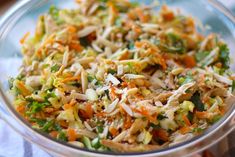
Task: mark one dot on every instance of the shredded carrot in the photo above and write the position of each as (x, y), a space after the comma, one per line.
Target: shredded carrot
(161, 134)
(72, 29)
(142, 16)
(100, 114)
(75, 46)
(112, 8)
(68, 79)
(202, 114)
(113, 131)
(87, 112)
(91, 37)
(23, 89)
(186, 120)
(141, 44)
(48, 41)
(145, 113)
(131, 84)
(20, 108)
(127, 123)
(22, 40)
(124, 84)
(222, 110)
(137, 29)
(131, 15)
(72, 135)
(53, 134)
(184, 130)
(113, 95)
(69, 105)
(167, 14)
(189, 61)
(63, 123)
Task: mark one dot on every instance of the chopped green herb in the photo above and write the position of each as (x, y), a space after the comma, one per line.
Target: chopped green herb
(224, 56)
(161, 117)
(174, 44)
(55, 68)
(10, 82)
(186, 79)
(35, 107)
(201, 55)
(40, 122)
(46, 127)
(197, 101)
(190, 116)
(112, 71)
(233, 85)
(197, 130)
(86, 141)
(215, 119)
(62, 136)
(54, 12)
(96, 143)
(99, 128)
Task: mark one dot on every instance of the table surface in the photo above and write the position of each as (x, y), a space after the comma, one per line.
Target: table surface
(22, 148)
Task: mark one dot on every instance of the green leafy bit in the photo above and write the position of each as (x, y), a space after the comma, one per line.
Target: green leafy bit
(35, 107)
(46, 127)
(215, 119)
(96, 143)
(62, 136)
(186, 79)
(197, 101)
(161, 117)
(201, 55)
(54, 12)
(10, 83)
(55, 68)
(224, 56)
(197, 130)
(233, 86)
(40, 122)
(86, 141)
(112, 71)
(90, 78)
(173, 44)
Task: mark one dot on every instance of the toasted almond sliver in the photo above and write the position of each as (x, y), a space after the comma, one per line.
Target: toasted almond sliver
(127, 109)
(86, 31)
(84, 80)
(112, 106)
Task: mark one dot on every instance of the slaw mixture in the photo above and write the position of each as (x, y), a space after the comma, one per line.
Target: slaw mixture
(116, 75)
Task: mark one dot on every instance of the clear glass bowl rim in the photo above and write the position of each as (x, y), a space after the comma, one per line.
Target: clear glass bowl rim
(226, 124)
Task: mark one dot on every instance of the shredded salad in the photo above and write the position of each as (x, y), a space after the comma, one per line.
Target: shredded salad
(118, 76)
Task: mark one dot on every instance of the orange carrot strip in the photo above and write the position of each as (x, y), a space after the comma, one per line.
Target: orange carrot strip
(72, 135)
(87, 112)
(69, 105)
(184, 130)
(71, 79)
(53, 134)
(202, 114)
(186, 120)
(143, 18)
(23, 89)
(75, 46)
(161, 134)
(20, 108)
(113, 131)
(189, 61)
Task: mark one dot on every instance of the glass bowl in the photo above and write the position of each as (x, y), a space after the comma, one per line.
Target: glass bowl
(22, 17)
